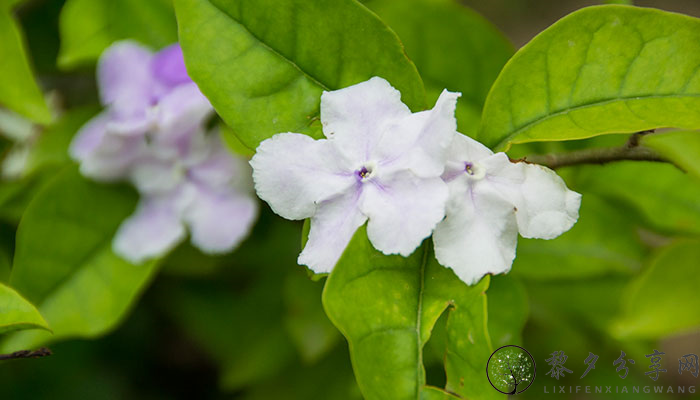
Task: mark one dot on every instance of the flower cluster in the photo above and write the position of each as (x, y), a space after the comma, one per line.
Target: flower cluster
(408, 175)
(153, 133)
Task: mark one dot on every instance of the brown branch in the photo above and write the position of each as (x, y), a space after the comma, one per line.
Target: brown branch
(632, 150)
(596, 156)
(42, 352)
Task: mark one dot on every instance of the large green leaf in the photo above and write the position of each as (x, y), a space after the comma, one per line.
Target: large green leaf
(682, 147)
(659, 195)
(88, 26)
(453, 48)
(18, 88)
(264, 63)
(386, 306)
(662, 300)
(600, 70)
(16, 313)
(603, 241)
(64, 261)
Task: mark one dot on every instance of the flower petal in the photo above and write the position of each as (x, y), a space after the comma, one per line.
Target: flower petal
(479, 234)
(102, 155)
(151, 175)
(222, 168)
(293, 173)
(546, 208)
(420, 141)
(125, 80)
(218, 222)
(332, 227)
(180, 111)
(168, 66)
(403, 210)
(135, 123)
(152, 231)
(89, 137)
(463, 149)
(356, 116)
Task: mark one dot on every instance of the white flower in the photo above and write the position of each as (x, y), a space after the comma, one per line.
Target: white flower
(491, 200)
(380, 162)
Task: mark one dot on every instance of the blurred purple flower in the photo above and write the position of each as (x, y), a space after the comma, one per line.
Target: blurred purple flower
(153, 133)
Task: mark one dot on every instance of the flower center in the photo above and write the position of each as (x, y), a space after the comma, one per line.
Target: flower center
(365, 172)
(474, 170)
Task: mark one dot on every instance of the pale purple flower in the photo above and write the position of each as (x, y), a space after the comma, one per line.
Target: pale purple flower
(142, 92)
(491, 200)
(379, 163)
(153, 134)
(203, 188)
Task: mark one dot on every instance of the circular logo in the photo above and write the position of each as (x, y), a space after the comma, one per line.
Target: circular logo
(511, 369)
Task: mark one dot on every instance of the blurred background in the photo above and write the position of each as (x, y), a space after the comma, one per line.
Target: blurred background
(250, 325)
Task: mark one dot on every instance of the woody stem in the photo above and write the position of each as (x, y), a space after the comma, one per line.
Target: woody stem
(632, 150)
(42, 352)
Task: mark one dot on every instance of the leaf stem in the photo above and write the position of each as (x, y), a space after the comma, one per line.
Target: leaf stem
(632, 150)
(42, 352)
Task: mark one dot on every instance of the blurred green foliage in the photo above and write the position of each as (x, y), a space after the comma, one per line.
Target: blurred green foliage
(17, 313)
(18, 87)
(681, 147)
(90, 26)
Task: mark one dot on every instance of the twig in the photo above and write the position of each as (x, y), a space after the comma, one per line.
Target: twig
(42, 352)
(596, 156)
(632, 150)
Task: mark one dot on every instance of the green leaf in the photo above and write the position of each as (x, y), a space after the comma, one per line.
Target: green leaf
(681, 147)
(87, 27)
(508, 309)
(453, 48)
(307, 324)
(18, 88)
(15, 195)
(575, 316)
(662, 300)
(589, 304)
(664, 198)
(64, 261)
(264, 63)
(16, 313)
(600, 70)
(8, 4)
(5, 265)
(242, 331)
(386, 306)
(603, 241)
(238, 318)
(329, 378)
